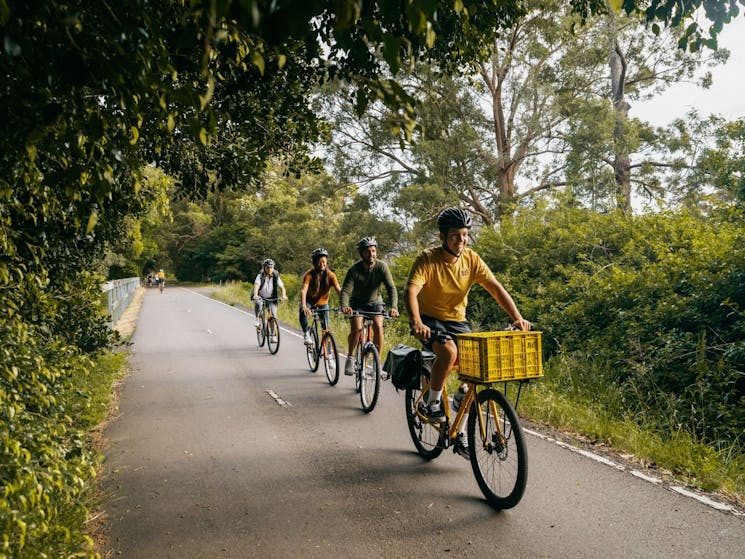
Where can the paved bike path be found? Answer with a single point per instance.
(203, 462)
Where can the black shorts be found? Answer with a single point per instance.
(451, 326)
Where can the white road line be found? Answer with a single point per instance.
(645, 477)
(706, 500)
(636, 473)
(278, 399)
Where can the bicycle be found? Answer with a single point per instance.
(161, 284)
(268, 329)
(367, 362)
(496, 442)
(323, 348)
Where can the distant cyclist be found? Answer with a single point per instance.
(436, 296)
(314, 294)
(160, 279)
(268, 285)
(361, 292)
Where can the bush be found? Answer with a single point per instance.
(653, 305)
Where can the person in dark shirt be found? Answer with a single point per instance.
(361, 292)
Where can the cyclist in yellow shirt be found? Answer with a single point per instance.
(436, 296)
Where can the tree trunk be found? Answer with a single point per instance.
(622, 160)
(493, 78)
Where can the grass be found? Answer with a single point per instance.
(675, 455)
(560, 401)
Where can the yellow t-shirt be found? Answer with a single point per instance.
(445, 287)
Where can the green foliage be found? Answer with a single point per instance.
(654, 305)
(227, 235)
(51, 394)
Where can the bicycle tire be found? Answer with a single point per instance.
(272, 338)
(313, 351)
(330, 356)
(357, 366)
(429, 439)
(500, 463)
(370, 378)
(261, 331)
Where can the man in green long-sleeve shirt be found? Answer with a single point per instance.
(361, 292)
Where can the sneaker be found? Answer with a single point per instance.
(461, 446)
(384, 375)
(432, 411)
(258, 325)
(349, 367)
(306, 338)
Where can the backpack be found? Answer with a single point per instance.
(403, 365)
(274, 287)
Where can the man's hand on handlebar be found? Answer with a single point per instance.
(522, 324)
(421, 331)
(346, 310)
(393, 313)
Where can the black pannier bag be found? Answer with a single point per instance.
(403, 365)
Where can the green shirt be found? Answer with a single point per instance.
(362, 286)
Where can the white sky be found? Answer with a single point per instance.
(726, 96)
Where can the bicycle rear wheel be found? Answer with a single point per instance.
(261, 330)
(313, 350)
(330, 356)
(272, 337)
(370, 378)
(500, 459)
(429, 439)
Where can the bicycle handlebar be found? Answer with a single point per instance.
(369, 314)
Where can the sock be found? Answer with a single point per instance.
(434, 396)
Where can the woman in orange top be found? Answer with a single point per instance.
(317, 284)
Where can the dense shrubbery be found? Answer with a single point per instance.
(51, 324)
(650, 308)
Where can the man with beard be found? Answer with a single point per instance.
(361, 292)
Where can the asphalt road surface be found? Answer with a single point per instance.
(203, 462)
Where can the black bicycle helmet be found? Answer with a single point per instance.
(267, 262)
(318, 253)
(365, 242)
(453, 218)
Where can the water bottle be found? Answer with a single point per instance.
(458, 397)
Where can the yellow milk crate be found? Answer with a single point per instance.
(498, 356)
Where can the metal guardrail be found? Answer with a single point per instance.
(119, 294)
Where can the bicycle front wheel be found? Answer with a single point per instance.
(261, 331)
(429, 439)
(499, 456)
(357, 366)
(330, 356)
(272, 337)
(312, 351)
(370, 378)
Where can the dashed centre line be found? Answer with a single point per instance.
(277, 398)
